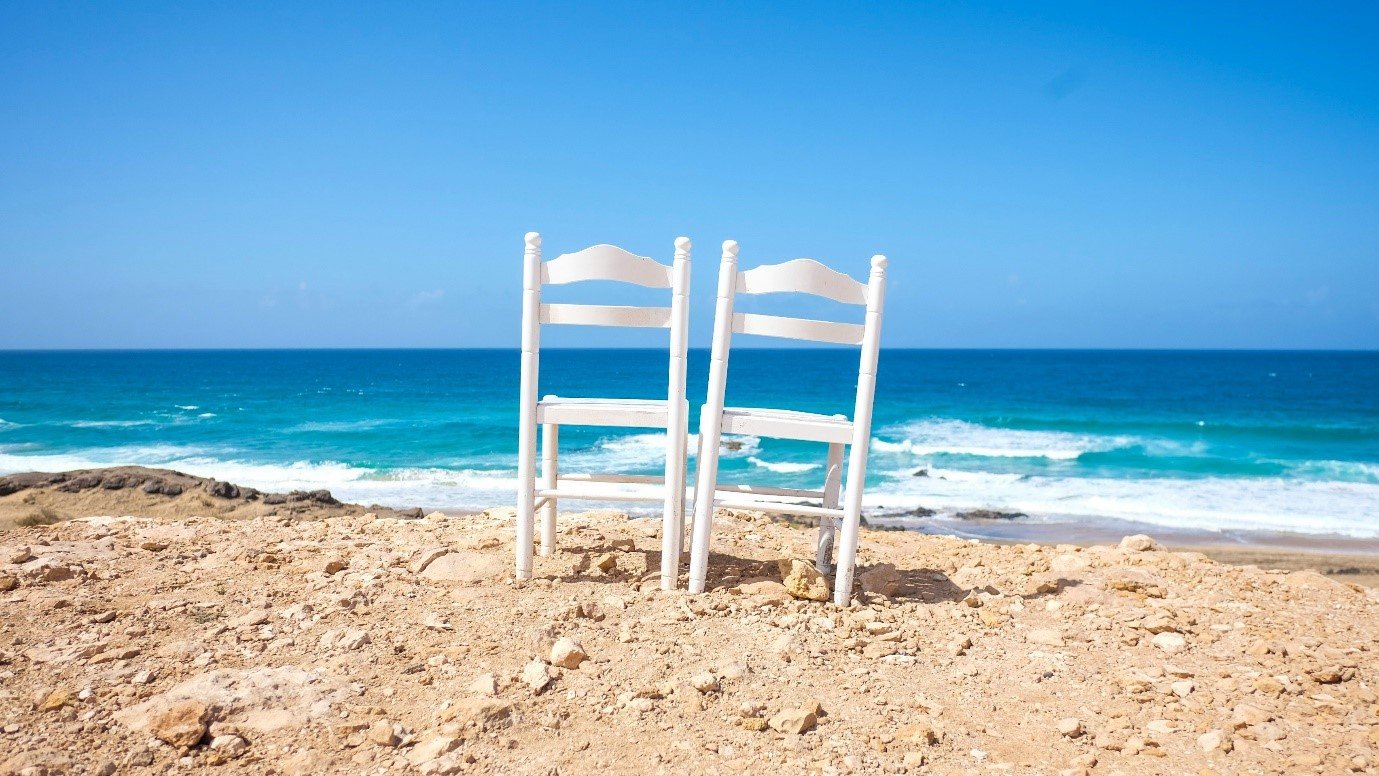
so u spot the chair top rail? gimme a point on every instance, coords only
(802, 276)
(606, 262)
(606, 315)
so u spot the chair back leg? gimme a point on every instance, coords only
(526, 424)
(550, 474)
(671, 518)
(828, 526)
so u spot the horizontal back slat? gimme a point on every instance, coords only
(605, 262)
(798, 328)
(606, 315)
(802, 276)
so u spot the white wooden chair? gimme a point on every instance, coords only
(601, 262)
(808, 277)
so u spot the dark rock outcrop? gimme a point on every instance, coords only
(990, 514)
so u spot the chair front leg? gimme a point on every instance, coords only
(550, 474)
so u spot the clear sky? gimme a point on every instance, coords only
(1041, 174)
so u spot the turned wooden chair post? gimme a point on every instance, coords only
(710, 431)
(861, 433)
(526, 428)
(677, 409)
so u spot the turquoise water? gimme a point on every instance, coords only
(1210, 441)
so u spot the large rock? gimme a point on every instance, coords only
(802, 580)
(261, 699)
(464, 567)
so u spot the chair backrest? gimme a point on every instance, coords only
(800, 276)
(606, 263)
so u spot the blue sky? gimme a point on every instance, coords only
(1041, 175)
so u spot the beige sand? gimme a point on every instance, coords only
(341, 642)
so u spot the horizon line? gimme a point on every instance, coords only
(361, 349)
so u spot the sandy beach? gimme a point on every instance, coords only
(211, 628)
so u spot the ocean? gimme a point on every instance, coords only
(1219, 442)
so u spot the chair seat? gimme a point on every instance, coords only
(631, 413)
(787, 424)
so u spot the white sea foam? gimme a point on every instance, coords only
(1294, 504)
(109, 423)
(783, 467)
(1203, 504)
(634, 452)
(943, 436)
(188, 407)
(340, 425)
(14, 459)
(206, 415)
(1349, 471)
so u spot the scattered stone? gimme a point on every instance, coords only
(1170, 642)
(182, 724)
(231, 745)
(920, 733)
(793, 721)
(1140, 543)
(57, 699)
(354, 639)
(484, 684)
(1044, 636)
(567, 653)
(433, 746)
(606, 562)
(705, 683)
(1214, 740)
(250, 619)
(536, 676)
(1247, 714)
(383, 733)
(481, 713)
(20, 555)
(1070, 727)
(112, 655)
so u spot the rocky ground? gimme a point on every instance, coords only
(330, 639)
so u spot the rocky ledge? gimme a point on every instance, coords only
(39, 498)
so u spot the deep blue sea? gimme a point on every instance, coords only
(1197, 441)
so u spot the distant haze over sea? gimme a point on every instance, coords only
(1196, 441)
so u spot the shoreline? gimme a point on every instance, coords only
(126, 490)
